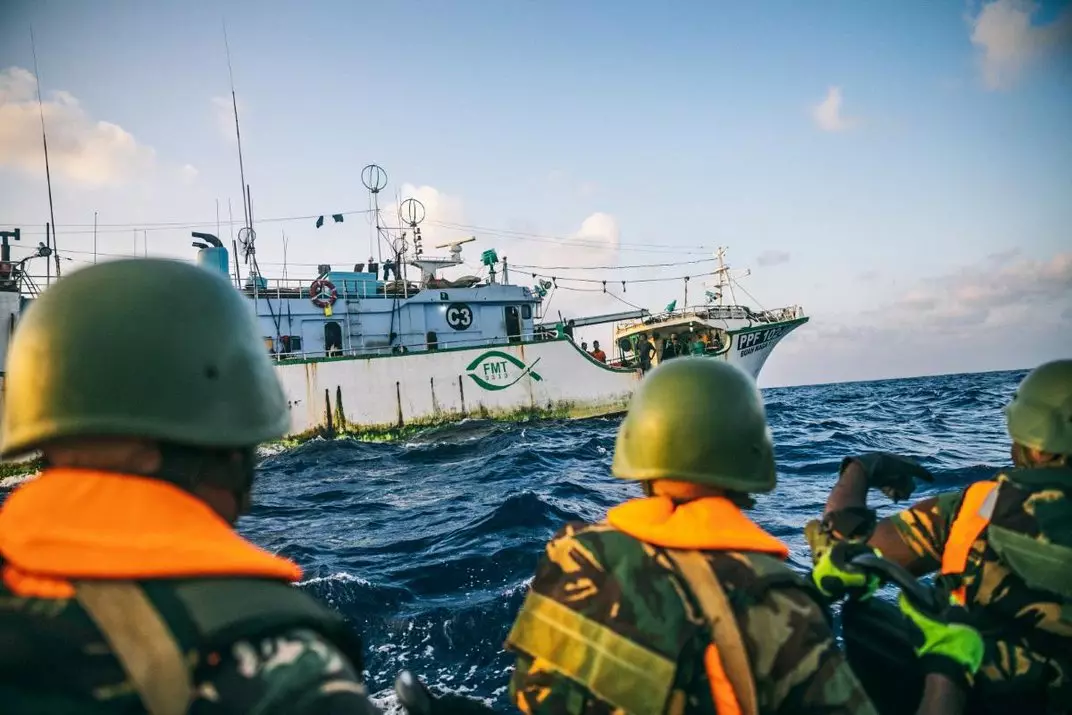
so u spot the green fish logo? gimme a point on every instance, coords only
(496, 370)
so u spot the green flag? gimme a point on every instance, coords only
(337, 217)
(320, 222)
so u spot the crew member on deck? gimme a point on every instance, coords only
(597, 353)
(645, 352)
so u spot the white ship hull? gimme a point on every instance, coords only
(383, 395)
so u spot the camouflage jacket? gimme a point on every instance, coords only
(54, 660)
(627, 586)
(1027, 628)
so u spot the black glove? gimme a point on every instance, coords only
(892, 474)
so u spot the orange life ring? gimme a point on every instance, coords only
(322, 292)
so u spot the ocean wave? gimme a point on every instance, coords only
(428, 547)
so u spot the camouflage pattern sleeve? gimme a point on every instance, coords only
(297, 671)
(796, 662)
(924, 527)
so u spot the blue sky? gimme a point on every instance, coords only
(923, 222)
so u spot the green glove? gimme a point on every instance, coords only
(892, 474)
(836, 577)
(952, 649)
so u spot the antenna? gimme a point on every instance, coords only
(238, 134)
(44, 142)
(374, 178)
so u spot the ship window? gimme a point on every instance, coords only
(332, 338)
(513, 324)
(526, 312)
(295, 343)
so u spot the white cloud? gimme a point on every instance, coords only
(188, 173)
(772, 258)
(827, 114)
(90, 152)
(1005, 311)
(1010, 43)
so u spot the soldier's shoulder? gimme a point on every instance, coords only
(296, 670)
(599, 544)
(749, 576)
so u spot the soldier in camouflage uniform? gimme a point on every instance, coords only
(1002, 547)
(679, 603)
(124, 587)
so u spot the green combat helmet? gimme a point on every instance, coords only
(141, 348)
(698, 420)
(1040, 414)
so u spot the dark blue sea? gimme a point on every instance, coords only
(428, 545)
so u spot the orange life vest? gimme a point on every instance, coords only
(973, 516)
(709, 524)
(79, 524)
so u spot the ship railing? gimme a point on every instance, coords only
(780, 315)
(422, 346)
(280, 288)
(718, 312)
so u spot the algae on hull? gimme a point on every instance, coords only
(563, 409)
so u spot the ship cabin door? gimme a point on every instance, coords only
(332, 338)
(513, 324)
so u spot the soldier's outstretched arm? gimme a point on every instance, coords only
(296, 671)
(797, 665)
(914, 538)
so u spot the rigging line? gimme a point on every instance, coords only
(168, 226)
(750, 296)
(592, 268)
(44, 141)
(238, 134)
(610, 293)
(628, 280)
(631, 305)
(578, 240)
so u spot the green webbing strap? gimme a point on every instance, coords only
(726, 634)
(610, 666)
(142, 643)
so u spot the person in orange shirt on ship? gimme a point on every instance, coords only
(597, 353)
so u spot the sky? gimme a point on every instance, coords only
(902, 170)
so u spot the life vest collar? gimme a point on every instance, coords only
(75, 524)
(708, 524)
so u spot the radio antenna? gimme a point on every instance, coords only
(238, 131)
(44, 142)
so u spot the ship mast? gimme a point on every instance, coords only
(724, 280)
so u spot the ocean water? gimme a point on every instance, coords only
(427, 546)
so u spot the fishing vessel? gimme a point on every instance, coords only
(388, 345)
(385, 346)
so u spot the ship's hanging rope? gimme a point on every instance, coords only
(567, 241)
(624, 282)
(593, 268)
(597, 290)
(175, 225)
